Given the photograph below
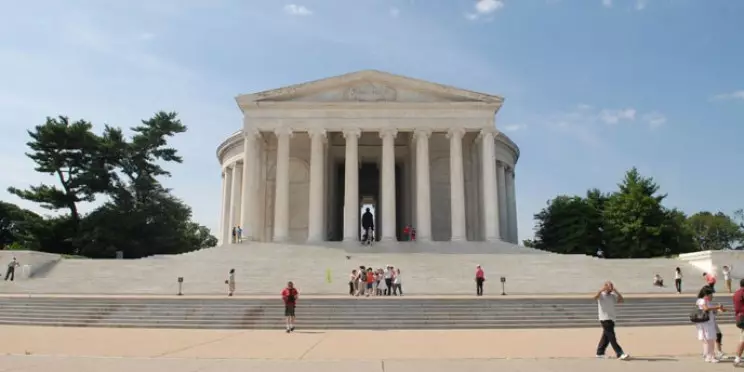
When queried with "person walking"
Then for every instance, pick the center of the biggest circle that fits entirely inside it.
(678, 280)
(480, 277)
(710, 280)
(607, 297)
(230, 282)
(738, 300)
(389, 273)
(397, 283)
(706, 331)
(289, 296)
(726, 270)
(10, 274)
(368, 224)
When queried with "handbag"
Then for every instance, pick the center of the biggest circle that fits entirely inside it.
(700, 316)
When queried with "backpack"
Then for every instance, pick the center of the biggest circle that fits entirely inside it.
(291, 296)
(699, 316)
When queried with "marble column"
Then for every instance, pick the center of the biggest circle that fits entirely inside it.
(236, 189)
(457, 185)
(513, 231)
(315, 213)
(281, 203)
(503, 205)
(490, 206)
(351, 185)
(423, 186)
(226, 194)
(250, 184)
(388, 183)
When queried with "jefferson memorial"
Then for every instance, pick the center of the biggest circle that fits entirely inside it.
(312, 157)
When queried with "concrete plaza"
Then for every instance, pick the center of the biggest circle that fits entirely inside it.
(35, 349)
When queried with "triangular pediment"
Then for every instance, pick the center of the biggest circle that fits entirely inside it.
(368, 86)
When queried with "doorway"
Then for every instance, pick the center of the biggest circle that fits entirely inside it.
(369, 194)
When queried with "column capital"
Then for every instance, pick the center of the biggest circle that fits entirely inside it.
(317, 132)
(421, 133)
(283, 132)
(251, 133)
(392, 132)
(356, 132)
(488, 132)
(455, 132)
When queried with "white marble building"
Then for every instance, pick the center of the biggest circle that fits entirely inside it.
(422, 153)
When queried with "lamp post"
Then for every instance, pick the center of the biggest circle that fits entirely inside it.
(503, 286)
(180, 286)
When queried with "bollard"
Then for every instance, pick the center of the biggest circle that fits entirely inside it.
(180, 285)
(503, 286)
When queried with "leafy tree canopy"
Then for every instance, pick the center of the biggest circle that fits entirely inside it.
(139, 216)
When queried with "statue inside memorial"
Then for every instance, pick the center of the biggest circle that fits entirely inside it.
(368, 224)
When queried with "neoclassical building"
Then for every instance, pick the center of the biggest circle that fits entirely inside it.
(310, 155)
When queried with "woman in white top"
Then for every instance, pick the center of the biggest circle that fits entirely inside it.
(230, 282)
(706, 331)
(397, 283)
(726, 270)
(678, 279)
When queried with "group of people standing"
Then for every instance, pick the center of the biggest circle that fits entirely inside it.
(366, 281)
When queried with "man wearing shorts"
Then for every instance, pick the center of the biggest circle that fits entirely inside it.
(289, 296)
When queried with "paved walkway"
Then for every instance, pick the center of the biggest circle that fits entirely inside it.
(36, 349)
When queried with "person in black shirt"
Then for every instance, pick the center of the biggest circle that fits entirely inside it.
(368, 224)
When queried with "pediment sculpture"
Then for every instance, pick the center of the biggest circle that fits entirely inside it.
(371, 92)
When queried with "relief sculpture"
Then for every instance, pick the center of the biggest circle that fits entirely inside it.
(371, 92)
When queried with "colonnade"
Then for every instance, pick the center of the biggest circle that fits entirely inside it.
(240, 195)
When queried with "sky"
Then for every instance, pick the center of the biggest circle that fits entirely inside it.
(592, 87)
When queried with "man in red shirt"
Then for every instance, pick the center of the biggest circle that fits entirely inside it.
(480, 277)
(739, 315)
(289, 296)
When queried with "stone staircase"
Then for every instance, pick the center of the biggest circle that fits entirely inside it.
(427, 268)
(376, 313)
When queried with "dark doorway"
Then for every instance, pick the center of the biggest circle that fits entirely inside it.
(369, 186)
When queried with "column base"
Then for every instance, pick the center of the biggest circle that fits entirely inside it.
(389, 239)
(458, 239)
(280, 239)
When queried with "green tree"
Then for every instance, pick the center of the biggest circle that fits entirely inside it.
(70, 152)
(676, 233)
(634, 218)
(714, 231)
(17, 225)
(568, 224)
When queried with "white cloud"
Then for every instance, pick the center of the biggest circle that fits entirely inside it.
(607, 3)
(485, 8)
(616, 116)
(739, 94)
(640, 4)
(394, 12)
(654, 119)
(298, 10)
(513, 127)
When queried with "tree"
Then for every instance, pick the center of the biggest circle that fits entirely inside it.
(634, 218)
(140, 218)
(567, 225)
(16, 225)
(714, 231)
(70, 152)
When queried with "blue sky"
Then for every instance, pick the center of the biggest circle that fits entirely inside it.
(592, 87)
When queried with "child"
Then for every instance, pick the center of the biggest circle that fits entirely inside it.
(658, 281)
(230, 282)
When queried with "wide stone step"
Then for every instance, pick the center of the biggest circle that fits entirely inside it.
(339, 313)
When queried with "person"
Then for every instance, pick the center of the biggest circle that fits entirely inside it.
(370, 280)
(397, 283)
(738, 300)
(234, 233)
(600, 253)
(230, 282)
(480, 277)
(388, 274)
(240, 234)
(678, 280)
(710, 280)
(10, 274)
(658, 280)
(353, 284)
(289, 296)
(607, 297)
(726, 270)
(706, 331)
(368, 224)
